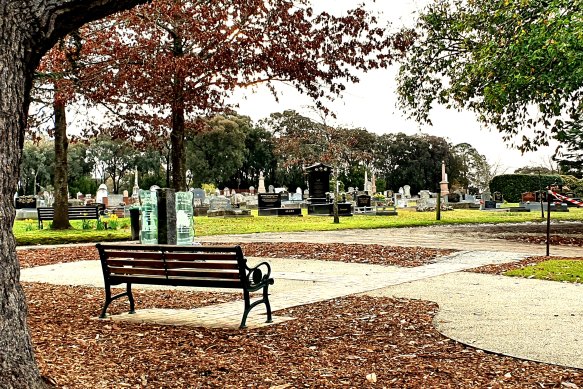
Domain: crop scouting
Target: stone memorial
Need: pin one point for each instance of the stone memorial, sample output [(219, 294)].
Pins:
[(318, 181), (166, 216), (261, 188), (363, 201), (407, 191), (271, 189), (269, 204), (498, 197)]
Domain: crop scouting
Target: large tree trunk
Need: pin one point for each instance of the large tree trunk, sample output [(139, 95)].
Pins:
[(28, 28), (61, 205), (177, 135)]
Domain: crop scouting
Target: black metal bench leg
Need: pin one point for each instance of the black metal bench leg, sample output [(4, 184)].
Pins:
[(267, 305), (108, 300), (131, 298), (247, 309)]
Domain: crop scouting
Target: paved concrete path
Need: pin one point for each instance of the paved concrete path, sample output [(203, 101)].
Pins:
[(450, 237), (530, 319)]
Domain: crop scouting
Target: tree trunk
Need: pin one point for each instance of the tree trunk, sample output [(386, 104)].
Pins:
[(178, 133), (28, 28), (17, 364), (61, 205)]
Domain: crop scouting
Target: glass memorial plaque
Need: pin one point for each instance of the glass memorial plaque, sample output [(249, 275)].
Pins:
[(149, 229), (184, 220)]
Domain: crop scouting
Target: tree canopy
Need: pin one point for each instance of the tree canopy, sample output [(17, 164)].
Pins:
[(164, 64), (517, 64)]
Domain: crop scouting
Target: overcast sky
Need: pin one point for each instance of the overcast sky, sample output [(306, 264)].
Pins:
[(371, 104)]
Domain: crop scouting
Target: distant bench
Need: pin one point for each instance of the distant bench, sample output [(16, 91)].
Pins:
[(75, 213), (197, 266)]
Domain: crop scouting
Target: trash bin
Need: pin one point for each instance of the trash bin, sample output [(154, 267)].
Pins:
[(135, 223)]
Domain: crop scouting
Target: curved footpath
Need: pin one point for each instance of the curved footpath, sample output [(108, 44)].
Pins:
[(531, 319)]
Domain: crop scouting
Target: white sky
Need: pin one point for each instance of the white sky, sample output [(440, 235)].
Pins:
[(371, 104)]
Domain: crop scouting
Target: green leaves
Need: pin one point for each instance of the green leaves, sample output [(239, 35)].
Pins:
[(518, 65)]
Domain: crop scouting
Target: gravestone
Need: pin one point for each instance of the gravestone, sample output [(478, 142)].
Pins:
[(407, 191), (268, 200), (296, 197), (363, 201), (25, 202), (489, 204), (271, 189), (101, 196), (252, 189), (261, 188), (226, 192), (486, 196), (318, 181), (219, 203), (198, 194), (269, 204), (498, 197), (166, 216)]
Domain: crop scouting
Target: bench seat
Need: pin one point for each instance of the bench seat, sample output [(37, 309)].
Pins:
[(195, 266)]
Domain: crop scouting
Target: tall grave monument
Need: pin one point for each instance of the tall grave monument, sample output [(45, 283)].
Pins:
[(319, 186)]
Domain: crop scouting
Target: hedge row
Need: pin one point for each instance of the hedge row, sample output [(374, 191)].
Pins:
[(513, 185)]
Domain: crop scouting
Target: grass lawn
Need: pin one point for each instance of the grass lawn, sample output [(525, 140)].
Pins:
[(553, 270), (26, 231)]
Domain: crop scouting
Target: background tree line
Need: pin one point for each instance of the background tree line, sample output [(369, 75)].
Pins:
[(231, 150)]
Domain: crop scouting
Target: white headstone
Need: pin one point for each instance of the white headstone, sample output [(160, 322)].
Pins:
[(261, 188)]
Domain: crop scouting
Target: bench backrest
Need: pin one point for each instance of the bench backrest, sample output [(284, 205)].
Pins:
[(207, 266), (75, 213)]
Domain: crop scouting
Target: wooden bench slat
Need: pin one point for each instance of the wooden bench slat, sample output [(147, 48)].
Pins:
[(173, 264), (190, 256), (116, 271), (202, 274), (184, 273), (177, 281)]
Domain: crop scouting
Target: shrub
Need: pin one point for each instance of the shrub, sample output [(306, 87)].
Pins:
[(513, 185)]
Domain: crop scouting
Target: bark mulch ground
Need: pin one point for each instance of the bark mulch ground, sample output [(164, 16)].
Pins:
[(351, 342), (359, 253)]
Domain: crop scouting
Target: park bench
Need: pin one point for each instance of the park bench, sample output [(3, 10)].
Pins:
[(75, 213), (196, 266)]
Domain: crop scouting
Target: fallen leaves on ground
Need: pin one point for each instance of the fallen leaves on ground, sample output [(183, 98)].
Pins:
[(356, 253), (349, 342)]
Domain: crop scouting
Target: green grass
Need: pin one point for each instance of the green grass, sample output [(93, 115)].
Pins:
[(553, 270), (27, 233)]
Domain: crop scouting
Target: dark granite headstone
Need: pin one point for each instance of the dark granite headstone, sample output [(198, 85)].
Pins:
[(363, 201), (25, 202), (319, 180), (269, 200), (166, 216), (498, 197), (489, 204)]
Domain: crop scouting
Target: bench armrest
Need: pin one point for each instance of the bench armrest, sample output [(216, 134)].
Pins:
[(258, 275)]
